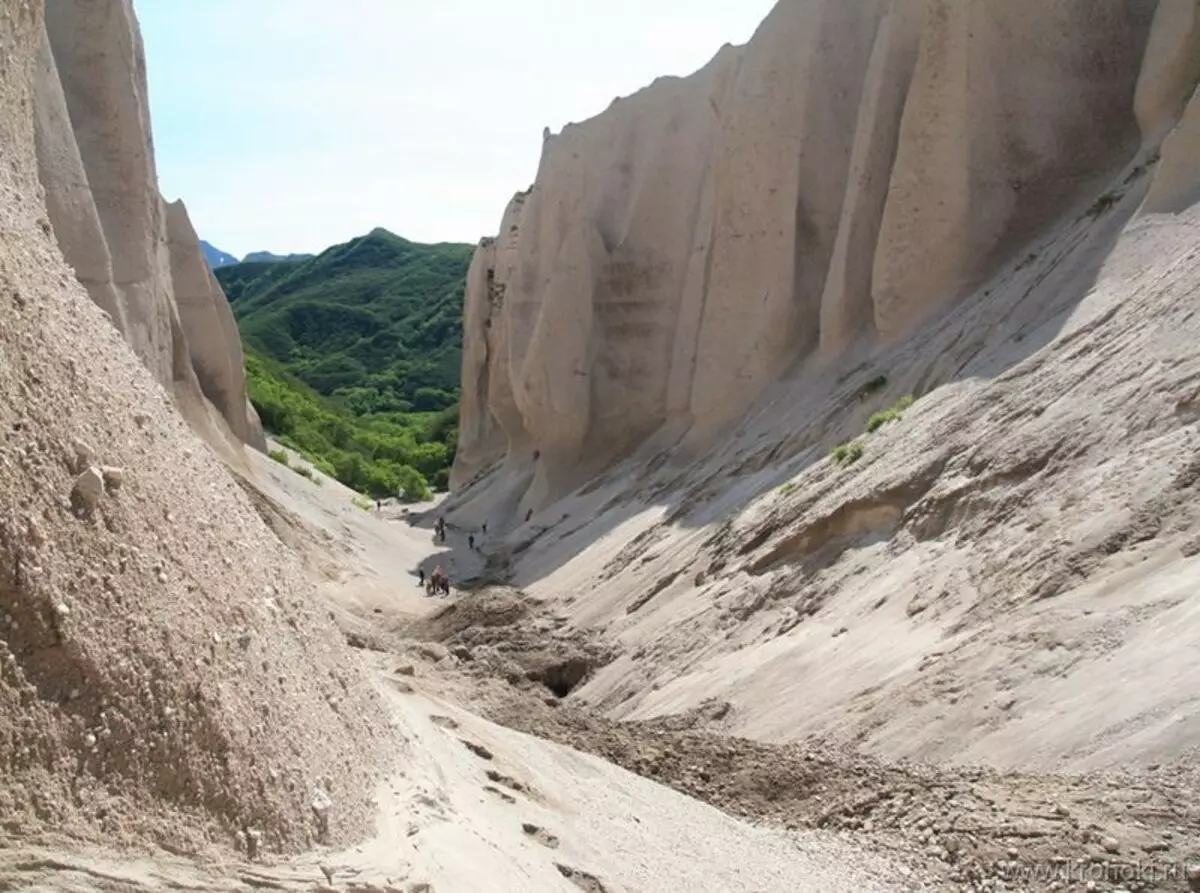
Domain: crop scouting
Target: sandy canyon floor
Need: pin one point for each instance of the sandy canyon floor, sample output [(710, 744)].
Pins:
[(507, 782)]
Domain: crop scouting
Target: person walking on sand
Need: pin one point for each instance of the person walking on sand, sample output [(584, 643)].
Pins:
[(421, 576), (471, 541)]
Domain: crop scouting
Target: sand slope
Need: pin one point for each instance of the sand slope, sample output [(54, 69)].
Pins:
[(558, 820)]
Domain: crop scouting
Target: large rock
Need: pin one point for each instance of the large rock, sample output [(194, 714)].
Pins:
[(96, 165), (853, 170)]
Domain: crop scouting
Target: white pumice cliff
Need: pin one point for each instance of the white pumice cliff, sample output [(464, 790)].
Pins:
[(138, 256), (812, 196), (675, 345)]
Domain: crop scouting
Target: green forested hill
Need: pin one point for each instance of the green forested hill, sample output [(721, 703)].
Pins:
[(353, 356)]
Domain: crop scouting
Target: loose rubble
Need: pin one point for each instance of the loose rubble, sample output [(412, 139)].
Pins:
[(974, 828)]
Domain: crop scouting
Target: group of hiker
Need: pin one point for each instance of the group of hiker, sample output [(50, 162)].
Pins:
[(438, 582)]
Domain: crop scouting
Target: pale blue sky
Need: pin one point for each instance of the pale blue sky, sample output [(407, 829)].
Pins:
[(291, 125)]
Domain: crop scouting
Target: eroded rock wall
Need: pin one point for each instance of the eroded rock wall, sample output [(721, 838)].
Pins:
[(167, 674), (854, 169), (211, 332), (96, 166)]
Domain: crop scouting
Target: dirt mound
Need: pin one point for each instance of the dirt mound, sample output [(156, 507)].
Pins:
[(499, 632), (165, 671)]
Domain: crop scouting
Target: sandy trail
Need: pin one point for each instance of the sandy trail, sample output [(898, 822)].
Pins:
[(367, 557), (474, 806)]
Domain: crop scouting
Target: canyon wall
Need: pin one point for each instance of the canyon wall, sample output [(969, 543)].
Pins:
[(138, 258), (167, 671), (853, 170)]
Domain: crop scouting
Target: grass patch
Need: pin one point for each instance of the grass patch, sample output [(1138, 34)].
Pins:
[(893, 413), (871, 387), (281, 456), (787, 488), (847, 453), (1103, 203)]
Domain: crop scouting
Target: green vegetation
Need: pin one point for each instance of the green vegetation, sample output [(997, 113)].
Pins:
[(281, 457), (1103, 203), (892, 414), (851, 452), (375, 323), (353, 357), (787, 488), (379, 455), (879, 382), (847, 453)]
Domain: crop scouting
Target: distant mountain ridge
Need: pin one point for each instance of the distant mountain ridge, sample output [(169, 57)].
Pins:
[(258, 257), (217, 258), (377, 319)]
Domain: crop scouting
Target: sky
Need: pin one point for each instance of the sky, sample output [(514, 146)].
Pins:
[(293, 125)]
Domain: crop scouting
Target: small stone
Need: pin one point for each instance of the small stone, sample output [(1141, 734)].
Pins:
[(90, 740), (63, 610), (113, 477), (321, 801), (1110, 845), (1061, 810), (253, 843), (84, 454), (1193, 877), (406, 670), (88, 489)]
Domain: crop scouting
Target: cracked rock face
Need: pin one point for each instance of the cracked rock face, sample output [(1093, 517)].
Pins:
[(852, 170)]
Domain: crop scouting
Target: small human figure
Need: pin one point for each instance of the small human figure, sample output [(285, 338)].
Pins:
[(421, 575), (484, 528)]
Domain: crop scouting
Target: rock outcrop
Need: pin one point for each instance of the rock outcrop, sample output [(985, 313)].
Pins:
[(167, 672), (854, 170), (136, 256)]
